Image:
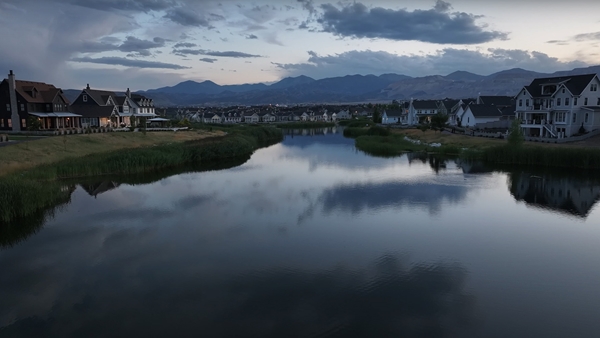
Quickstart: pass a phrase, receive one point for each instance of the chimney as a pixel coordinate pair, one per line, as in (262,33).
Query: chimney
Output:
(14,109)
(128,93)
(88,86)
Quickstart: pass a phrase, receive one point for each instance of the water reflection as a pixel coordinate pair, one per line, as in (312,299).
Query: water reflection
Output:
(357,197)
(389,298)
(568,195)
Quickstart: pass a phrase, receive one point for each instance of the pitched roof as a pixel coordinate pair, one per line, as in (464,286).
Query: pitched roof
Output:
(484,110)
(100,96)
(497,100)
(425,104)
(450,103)
(575,84)
(91,110)
(393,112)
(45,92)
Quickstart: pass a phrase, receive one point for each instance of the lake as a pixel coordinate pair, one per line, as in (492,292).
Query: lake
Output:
(312,238)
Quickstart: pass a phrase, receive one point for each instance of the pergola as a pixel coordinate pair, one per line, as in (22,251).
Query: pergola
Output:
(58,120)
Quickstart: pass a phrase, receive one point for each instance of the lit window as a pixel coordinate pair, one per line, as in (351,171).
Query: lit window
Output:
(9,123)
(24,123)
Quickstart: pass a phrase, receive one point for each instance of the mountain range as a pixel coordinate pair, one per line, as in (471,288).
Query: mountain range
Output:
(350,88)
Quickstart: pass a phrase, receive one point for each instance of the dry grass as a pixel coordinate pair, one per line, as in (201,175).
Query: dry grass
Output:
(27,155)
(463,141)
(457,140)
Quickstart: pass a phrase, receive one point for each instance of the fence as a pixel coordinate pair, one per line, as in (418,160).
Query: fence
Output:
(564,140)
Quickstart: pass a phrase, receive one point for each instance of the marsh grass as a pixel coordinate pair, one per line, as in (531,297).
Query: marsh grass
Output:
(26,193)
(576,158)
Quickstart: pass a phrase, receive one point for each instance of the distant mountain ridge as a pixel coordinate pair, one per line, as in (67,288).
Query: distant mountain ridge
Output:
(352,88)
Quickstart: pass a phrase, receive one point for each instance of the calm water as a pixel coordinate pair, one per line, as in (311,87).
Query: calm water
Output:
(311,238)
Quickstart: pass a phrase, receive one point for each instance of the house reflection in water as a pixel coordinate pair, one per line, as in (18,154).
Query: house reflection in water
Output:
(565,195)
(94,189)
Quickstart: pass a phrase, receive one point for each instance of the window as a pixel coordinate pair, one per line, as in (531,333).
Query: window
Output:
(22,107)
(84,98)
(24,123)
(9,123)
(558,101)
(7,107)
(598,102)
(593,87)
(521,103)
(567,101)
(563,90)
(527,103)
(585,101)
(587,116)
(560,116)
(574,101)
(1,123)
(574,117)
(48,106)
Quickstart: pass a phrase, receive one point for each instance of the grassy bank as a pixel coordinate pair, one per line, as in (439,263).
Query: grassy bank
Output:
(394,145)
(305,125)
(26,192)
(24,156)
(354,132)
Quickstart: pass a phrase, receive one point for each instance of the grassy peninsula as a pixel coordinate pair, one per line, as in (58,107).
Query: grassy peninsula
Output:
(27,189)
(497,151)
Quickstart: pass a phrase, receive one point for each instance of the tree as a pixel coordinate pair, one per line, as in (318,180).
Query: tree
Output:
(144,125)
(515,136)
(33,124)
(438,121)
(376,115)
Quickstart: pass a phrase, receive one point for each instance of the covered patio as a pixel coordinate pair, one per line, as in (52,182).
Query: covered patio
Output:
(58,120)
(158,122)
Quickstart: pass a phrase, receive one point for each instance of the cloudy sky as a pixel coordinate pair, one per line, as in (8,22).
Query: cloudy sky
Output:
(143,44)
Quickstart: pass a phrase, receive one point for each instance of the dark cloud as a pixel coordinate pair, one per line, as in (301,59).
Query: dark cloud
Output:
(187,17)
(118,61)
(229,54)
(208,60)
(587,36)
(125,5)
(436,25)
(133,44)
(251,37)
(185,45)
(442,62)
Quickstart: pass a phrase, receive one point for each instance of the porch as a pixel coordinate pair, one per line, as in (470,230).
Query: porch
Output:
(58,120)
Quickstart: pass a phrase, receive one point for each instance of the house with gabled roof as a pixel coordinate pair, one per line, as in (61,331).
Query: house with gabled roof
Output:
(96,107)
(22,100)
(480,113)
(392,116)
(422,111)
(559,107)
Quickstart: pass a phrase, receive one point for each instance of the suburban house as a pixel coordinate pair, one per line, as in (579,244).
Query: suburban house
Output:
(20,100)
(422,110)
(123,117)
(559,107)
(391,116)
(141,106)
(343,115)
(251,117)
(96,107)
(480,113)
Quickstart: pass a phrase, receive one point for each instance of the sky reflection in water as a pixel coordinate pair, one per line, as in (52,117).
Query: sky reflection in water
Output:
(311,238)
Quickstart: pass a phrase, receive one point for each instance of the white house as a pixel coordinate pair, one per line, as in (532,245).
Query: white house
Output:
(391,116)
(251,117)
(343,115)
(480,113)
(422,111)
(559,107)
